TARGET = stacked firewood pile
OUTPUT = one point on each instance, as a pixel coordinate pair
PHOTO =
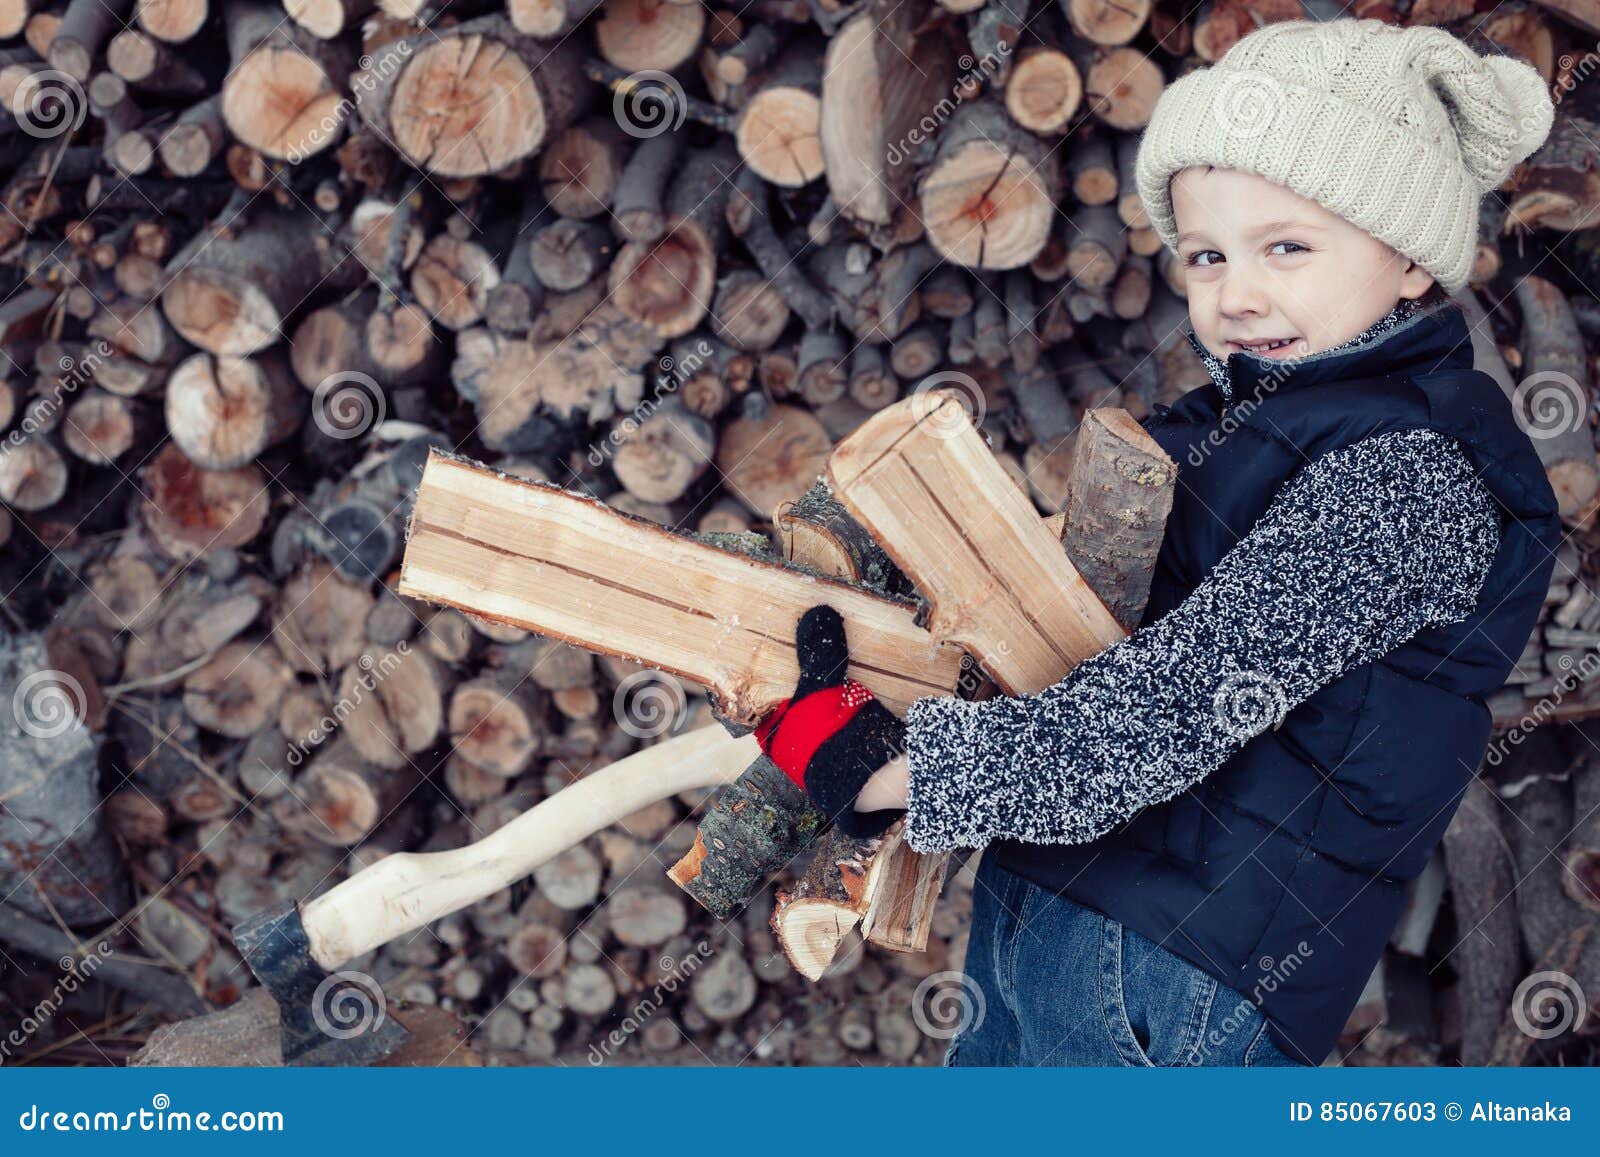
(257, 257)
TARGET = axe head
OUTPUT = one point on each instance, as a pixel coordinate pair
(324, 1018)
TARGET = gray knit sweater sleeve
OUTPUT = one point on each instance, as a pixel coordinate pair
(1360, 550)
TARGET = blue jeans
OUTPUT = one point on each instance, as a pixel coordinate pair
(1049, 982)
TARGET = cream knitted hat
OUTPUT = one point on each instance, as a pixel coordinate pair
(1400, 131)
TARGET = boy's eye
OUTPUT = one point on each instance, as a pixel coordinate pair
(1194, 258)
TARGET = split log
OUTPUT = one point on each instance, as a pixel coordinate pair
(730, 651)
(829, 899)
(883, 69)
(223, 411)
(1119, 496)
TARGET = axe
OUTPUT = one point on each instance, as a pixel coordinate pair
(296, 949)
(549, 560)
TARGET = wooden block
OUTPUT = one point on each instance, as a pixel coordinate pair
(921, 479)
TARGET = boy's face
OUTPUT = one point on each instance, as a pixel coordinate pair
(1264, 263)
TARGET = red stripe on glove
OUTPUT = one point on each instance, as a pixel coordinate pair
(791, 734)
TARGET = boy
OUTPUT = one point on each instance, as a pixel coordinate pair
(1199, 840)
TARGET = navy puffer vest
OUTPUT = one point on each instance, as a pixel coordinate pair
(1282, 873)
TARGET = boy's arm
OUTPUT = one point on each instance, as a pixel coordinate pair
(1359, 551)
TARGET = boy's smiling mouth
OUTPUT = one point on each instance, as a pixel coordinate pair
(1266, 348)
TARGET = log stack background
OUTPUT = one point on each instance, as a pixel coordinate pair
(256, 257)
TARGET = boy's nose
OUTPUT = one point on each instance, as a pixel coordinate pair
(1241, 296)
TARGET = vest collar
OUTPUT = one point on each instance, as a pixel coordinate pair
(1433, 337)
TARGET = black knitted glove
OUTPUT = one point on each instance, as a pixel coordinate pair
(832, 733)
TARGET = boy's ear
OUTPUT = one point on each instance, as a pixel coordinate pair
(1417, 283)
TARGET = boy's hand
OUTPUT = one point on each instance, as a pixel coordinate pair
(832, 734)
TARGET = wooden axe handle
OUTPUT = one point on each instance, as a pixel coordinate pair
(404, 891)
